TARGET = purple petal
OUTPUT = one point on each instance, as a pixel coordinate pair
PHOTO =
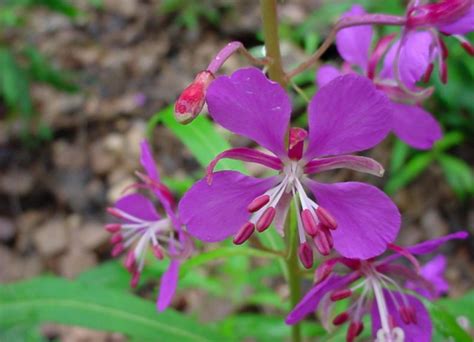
(147, 161)
(139, 206)
(326, 74)
(353, 43)
(433, 271)
(463, 25)
(431, 246)
(356, 163)
(214, 212)
(311, 300)
(415, 56)
(419, 332)
(415, 126)
(347, 115)
(168, 284)
(249, 104)
(367, 218)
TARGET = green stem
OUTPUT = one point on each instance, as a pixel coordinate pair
(272, 41)
(292, 267)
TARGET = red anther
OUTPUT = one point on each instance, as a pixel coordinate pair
(326, 218)
(189, 104)
(341, 318)
(116, 238)
(113, 227)
(355, 328)
(258, 203)
(114, 212)
(322, 243)
(244, 233)
(468, 47)
(296, 143)
(322, 272)
(444, 49)
(309, 223)
(340, 294)
(428, 72)
(130, 263)
(118, 248)
(305, 253)
(328, 237)
(266, 219)
(412, 314)
(135, 279)
(158, 252)
(405, 314)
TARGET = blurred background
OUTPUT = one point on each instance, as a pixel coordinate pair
(80, 85)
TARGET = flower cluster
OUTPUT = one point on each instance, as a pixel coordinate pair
(355, 108)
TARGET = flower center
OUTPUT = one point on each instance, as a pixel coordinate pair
(314, 221)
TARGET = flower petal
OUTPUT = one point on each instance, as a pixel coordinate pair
(356, 163)
(326, 74)
(433, 272)
(367, 218)
(311, 300)
(463, 25)
(353, 43)
(168, 284)
(249, 104)
(147, 161)
(347, 115)
(432, 245)
(139, 206)
(419, 332)
(415, 126)
(214, 212)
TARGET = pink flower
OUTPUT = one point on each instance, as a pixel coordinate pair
(345, 116)
(141, 227)
(410, 122)
(371, 287)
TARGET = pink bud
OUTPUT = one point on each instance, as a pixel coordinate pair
(190, 102)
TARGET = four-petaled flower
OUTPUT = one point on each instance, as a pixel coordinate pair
(410, 122)
(141, 226)
(345, 116)
(396, 315)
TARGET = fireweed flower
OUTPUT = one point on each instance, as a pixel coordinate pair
(372, 288)
(411, 123)
(345, 116)
(141, 226)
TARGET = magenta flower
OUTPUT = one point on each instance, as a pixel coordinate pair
(141, 226)
(433, 271)
(411, 123)
(346, 116)
(396, 314)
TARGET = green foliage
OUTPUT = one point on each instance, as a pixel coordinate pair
(191, 12)
(445, 323)
(55, 300)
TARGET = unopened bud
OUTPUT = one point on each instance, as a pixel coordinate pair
(190, 102)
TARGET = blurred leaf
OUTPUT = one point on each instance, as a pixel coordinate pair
(179, 186)
(460, 306)
(20, 333)
(41, 70)
(200, 137)
(264, 328)
(446, 324)
(449, 140)
(400, 153)
(458, 174)
(409, 172)
(61, 6)
(48, 299)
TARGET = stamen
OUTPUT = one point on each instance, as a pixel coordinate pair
(305, 253)
(340, 294)
(309, 223)
(244, 233)
(158, 252)
(266, 219)
(258, 203)
(116, 238)
(113, 227)
(322, 243)
(355, 328)
(341, 318)
(130, 261)
(118, 248)
(326, 218)
(466, 45)
(135, 279)
(428, 72)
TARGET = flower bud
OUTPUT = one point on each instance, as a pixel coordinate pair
(190, 102)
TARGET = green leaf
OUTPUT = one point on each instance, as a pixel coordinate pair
(200, 137)
(410, 171)
(458, 174)
(460, 306)
(400, 153)
(60, 6)
(48, 299)
(445, 323)
(450, 140)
